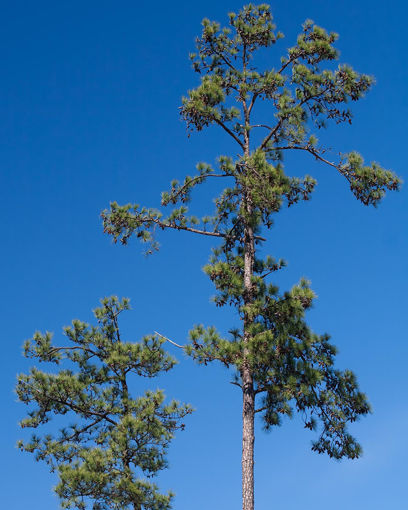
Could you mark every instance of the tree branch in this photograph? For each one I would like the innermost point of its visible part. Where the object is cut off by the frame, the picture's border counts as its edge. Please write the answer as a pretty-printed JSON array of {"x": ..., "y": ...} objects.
[
  {"x": 220, "y": 123},
  {"x": 251, "y": 104},
  {"x": 310, "y": 150},
  {"x": 193, "y": 230},
  {"x": 85, "y": 349},
  {"x": 268, "y": 137},
  {"x": 194, "y": 179},
  {"x": 85, "y": 412},
  {"x": 77, "y": 433},
  {"x": 168, "y": 340},
  {"x": 188, "y": 229},
  {"x": 301, "y": 103},
  {"x": 267, "y": 273},
  {"x": 221, "y": 55},
  {"x": 290, "y": 60},
  {"x": 261, "y": 125}
]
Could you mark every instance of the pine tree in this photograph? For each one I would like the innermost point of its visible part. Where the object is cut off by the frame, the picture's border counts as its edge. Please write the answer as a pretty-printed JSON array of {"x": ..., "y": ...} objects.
[
  {"x": 280, "y": 364},
  {"x": 113, "y": 437}
]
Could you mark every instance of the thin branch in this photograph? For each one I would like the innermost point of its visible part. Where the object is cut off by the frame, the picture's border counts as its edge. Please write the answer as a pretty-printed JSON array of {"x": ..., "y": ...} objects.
[
  {"x": 221, "y": 55},
  {"x": 168, "y": 340},
  {"x": 301, "y": 103},
  {"x": 234, "y": 227},
  {"x": 268, "y": 273},
  {"x": 57, "y": 349},
  {"x": 290, "y": 61},
  {"x": 77, "y": 433},
  {"x": 261, "y": 125},
  {"x": 193, "y": 230},
  {"x": 227, "y": 61},
  {"x": 310, "y": 150},
  {"x": 220, "y": 219},
  {"x": 85, "y": 412},
  {"x": 194, "y": 179},
  {"x": 284, "y": 66},
  {"x": 273, "y": 132},
  {"x": 163, "y": 225},
  {"x": 220, "y": 123},
  {"x": 251, "y": 104}
]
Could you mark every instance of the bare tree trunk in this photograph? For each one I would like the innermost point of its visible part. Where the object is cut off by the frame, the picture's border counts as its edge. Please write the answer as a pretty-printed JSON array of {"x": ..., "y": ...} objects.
[
  {"x": 248, "y": 403},
  {"x": 248, "y": 440}
]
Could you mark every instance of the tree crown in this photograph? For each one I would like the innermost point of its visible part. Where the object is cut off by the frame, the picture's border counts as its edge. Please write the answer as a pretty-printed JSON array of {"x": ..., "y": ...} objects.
[{"x": 113, "y": 437}]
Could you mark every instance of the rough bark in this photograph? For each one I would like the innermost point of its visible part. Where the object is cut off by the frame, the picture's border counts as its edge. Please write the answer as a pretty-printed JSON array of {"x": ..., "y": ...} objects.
[
  {"x": 248, "y": 439},
  {"x": 248, "y": 403}
]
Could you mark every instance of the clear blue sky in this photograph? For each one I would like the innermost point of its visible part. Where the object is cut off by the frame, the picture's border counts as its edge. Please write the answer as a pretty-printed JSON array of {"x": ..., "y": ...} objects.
[{"x": 88, "y": 114}]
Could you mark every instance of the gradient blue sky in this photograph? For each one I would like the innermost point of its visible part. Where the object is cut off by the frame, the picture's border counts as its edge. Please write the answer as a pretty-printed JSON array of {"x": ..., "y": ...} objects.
[{"x": 88, "y": 114}]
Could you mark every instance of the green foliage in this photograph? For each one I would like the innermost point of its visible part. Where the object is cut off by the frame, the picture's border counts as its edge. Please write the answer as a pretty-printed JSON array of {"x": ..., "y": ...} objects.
[
  {"x": 305, "y": 96},
  {"x": 111, "y": 437},
  {"x": 290, "y": 367},
  {"x": 368, "y": 183}
]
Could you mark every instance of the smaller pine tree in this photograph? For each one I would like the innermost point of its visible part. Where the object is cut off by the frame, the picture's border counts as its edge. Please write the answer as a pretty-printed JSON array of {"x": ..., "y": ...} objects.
[{"x": 113, "y": 442}]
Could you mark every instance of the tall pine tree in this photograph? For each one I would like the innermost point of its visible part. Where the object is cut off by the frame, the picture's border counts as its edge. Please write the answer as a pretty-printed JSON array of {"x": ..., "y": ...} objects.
[
  {"x": 280, "y": 364},
  {"x": 112, "y": 443}
]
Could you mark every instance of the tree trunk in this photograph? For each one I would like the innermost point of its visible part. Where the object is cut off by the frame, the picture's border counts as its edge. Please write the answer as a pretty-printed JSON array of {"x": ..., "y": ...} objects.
[
  {"x": 248, "y": 440},
  {"x": 248, "y": 403},
  {"x": 248, "y": 394}
]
